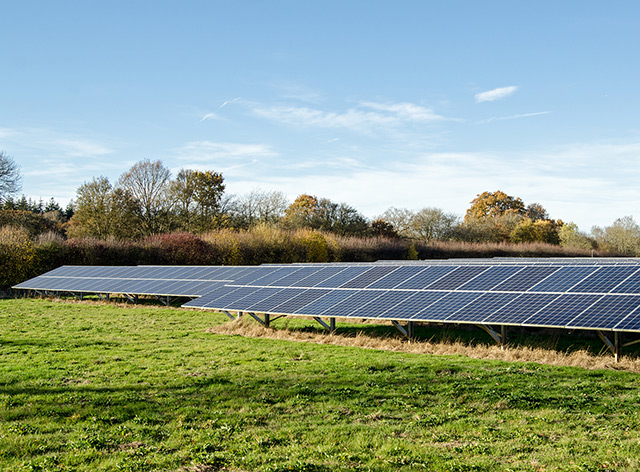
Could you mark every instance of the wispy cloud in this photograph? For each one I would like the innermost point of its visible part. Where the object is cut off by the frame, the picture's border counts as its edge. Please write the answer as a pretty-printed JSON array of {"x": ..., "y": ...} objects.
[
  {"x": 80, "y": 148},
  {"x": 512, "y": 117},
  {"x": 495, "y": 94},
  {"x": 209, "y": 116},
  {"x": 364, "y": 118},
  {"x": 204, "y": 151}
]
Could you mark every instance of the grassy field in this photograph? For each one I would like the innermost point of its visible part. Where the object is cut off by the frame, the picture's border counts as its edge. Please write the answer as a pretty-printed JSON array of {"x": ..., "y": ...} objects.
[{"x": 103, "y": 387}]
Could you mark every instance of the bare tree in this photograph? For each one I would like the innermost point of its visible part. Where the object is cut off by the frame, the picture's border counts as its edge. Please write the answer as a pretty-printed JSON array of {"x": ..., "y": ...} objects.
[
  {"x": 10, "y": 179},
  {"x": 148, "y": 183}
]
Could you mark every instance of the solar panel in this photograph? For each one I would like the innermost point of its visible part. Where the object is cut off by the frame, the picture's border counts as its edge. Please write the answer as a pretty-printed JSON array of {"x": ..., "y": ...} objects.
[{"x": 572, "y": 293}]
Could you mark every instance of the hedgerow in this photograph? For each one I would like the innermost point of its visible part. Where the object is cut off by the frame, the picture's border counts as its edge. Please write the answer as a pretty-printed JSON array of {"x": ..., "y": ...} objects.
[{"x": 22, "y": 256}]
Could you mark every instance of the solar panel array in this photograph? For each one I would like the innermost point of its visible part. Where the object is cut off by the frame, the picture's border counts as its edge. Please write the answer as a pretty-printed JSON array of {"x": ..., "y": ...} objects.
[
  {"x": 175, "y": 281},
  {"x": 602, "y": 294}
]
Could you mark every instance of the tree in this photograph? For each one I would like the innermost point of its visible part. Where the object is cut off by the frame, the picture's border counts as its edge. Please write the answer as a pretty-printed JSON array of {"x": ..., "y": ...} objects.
[
  {"x": 302, "y": 212},
  {"x": 623, "y": 236},
  {"x": 571, "y": 237},
  {"x": 10, "y": 179},
  {"x": 93, "y": 205},
  {"x": 339, "y": 218},
  {"x": 382, "y": 228},
  {"x": 433, "y": 224},
  {"x": 102, "y": 211},
  {"x": 400, "y": 219},
  {"x": 148, "y": 183},
  {"x": 258, "y": 206},
  {"x": 208, "y": 189},
  {"x": 197, "y": 198},
  {"x": 491, "y": 204},
  {"x": 535, "y": 212}
]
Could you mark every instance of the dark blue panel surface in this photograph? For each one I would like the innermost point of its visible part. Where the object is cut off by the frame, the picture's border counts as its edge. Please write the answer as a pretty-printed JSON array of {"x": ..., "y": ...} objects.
[
  {"x": 257, "y": 273},
  {"x": 282, "y": 295},
  {"x": 525, "y": 279},
  {"x": 341, "y": 277},
  {"x": 383, "y": 306},
  {"x": 563, "y": 279},
  {"x": 482, "y": 307},
  {"x": 426, "y": 277},
  {"x": 256, "y": 295},
  {"x": 446, "y": 306},
  {"x": 607, "y": 312},
  {"x": 296, "y": 276},
  {"x": 604, "y": 279},
  {"x": 490, "y": 278},
  {"x": 398, "y": 276},
  {"x": 562, "y": 310},
  {"x": 352, "y": 303},
  {"x": 300, "y": 300},
  {"x": 454, "y": 279},
  {"x": 317, "y": 277},
  {"x": 370, "y": 276},
  {"x": 325, "y": 302},
  {"x": 522, "y": 308}
]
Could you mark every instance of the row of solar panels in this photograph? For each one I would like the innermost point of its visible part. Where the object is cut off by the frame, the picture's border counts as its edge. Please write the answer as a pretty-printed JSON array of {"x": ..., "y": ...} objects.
[
  {"x": 603, "y": 294},
  {"x": 195, "y": 281},
  {"x": 606, "y": 312}
]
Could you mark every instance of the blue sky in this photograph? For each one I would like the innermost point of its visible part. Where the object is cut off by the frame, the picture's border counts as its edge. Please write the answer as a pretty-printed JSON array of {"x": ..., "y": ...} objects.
[{"x": 373, "y": 103}]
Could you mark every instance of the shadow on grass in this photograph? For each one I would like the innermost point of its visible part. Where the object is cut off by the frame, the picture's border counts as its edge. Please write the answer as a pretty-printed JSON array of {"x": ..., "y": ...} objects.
[{"x": 559, "y": 340}]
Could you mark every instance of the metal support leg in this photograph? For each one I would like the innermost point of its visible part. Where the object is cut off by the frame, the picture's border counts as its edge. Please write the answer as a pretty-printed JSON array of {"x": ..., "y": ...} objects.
[
  {"x": 615, "y": 347},
  {"x": 407, "y": 332},
  {"x": 264, "y": 322},
  {"x": 331, "y": 327},
  {"x": 230, "y": 315},
  {"x": 500, "y": 338}
]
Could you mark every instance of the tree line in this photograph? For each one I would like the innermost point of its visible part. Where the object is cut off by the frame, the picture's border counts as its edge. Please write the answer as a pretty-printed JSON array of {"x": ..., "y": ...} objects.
[{"x": 147, "y": 200}]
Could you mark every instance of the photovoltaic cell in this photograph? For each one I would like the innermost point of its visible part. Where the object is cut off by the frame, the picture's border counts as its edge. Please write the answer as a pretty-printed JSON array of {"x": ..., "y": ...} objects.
[
  {"x": 563, "y": 279},
  {"x": 604, "y": 279},
  {"x": 341, "y": 277},
  {"x": 562, "y": 310},
  {"x": 267, "y": 305},
  {"x": 525, "y": 279},
  {"x": 490, "y": 278},
  {"x": 446, "y": 306},
  {"x": 303, "y": 299},
  {"x": 454, "y": 279},
  {"x": 425, "y": 277},
  {"x": 367, "y": 278},
  {"x": 606, "y": 313},
  {"x": 398, "y": 276},
  {"x": 295, "y": 276},
  {"x": 352, "y": 303},
  {"x": 483, "y": 307},
  {"x": 383, "y": 304},
  {"x": 324, "y": 303},
  {"x": 521, "y": 308},
  {"x": 317, "y": 277}
]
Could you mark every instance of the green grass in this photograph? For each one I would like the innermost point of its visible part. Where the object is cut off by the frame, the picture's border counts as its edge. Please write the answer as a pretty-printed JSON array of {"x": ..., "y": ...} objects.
[{"x": 101, "y": 387}]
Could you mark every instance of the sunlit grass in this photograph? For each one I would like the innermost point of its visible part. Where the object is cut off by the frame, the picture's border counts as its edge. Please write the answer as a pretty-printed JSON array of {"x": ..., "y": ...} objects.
[{"x": 104, "y": 387}]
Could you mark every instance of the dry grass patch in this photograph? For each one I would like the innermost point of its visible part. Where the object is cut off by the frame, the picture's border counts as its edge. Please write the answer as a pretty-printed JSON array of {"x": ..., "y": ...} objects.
[{"x": 540, "y": 355}]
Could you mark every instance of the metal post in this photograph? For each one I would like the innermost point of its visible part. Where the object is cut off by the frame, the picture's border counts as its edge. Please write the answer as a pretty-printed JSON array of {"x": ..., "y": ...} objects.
[
  {"x": 503, "y": 336},
  {"x": 267, "y": 320},
  {"x": 332, "y": 325}
]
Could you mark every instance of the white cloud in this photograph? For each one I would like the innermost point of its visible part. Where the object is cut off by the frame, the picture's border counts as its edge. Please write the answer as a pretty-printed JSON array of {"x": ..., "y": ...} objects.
[
  {"x": 202, "y": 151},
  {"x": 210, "y": 116},
  {"x": 513, "y": 117},
  {"x": 367, "y": 117},
  {"x": 80, "y": 148},
  {"x": 495, "y": 94},
  {"x": 590, "y": 184}
]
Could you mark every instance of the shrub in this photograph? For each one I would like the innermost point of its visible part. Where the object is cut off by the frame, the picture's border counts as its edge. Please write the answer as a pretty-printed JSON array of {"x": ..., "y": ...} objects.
[{"x": 17, "y": 255}]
